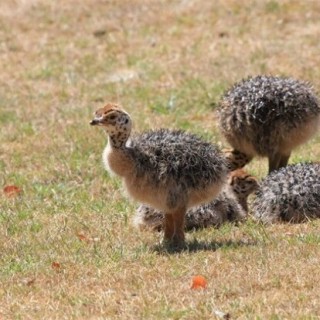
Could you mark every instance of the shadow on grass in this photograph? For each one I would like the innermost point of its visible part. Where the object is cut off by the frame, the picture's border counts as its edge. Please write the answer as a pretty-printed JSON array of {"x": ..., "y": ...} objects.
[{"x": 195, "y": 245}]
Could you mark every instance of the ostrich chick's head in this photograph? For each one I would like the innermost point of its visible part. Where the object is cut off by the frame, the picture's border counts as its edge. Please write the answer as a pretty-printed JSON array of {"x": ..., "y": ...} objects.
[
  {"x": 243, "y": 184},
  {"x": 115, "y": 121}
]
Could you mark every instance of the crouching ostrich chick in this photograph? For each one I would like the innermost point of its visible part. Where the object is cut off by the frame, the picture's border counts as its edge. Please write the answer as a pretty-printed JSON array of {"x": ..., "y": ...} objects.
[
  {"x": 269, "y": 116},
  {"x": 167, "y": 170},
  {"x": 230, "y": 206},
  {"x": 290, "y": 194}
]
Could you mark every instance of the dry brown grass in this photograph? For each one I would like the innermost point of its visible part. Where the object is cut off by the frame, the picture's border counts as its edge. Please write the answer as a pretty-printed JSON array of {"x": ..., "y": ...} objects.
[{"x": 68, "y": 250}]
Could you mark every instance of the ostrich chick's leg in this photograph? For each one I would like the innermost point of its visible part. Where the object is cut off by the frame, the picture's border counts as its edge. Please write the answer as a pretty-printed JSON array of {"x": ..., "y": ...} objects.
[
  {"x": 277, "y": 161},
  {"x": 174, "y": 227},
  {"x": 284, "y": 160},
  {"x": 168, "y": 227},
  {"x": 178, "y": 220},
  {"x": 274, "y": 162}
]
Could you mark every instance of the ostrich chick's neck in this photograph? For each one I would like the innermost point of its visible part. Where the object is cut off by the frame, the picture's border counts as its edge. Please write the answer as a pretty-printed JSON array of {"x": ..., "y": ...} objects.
[
  {"x": 116, "y": 156},
  {"x": 117, "y": 139}
]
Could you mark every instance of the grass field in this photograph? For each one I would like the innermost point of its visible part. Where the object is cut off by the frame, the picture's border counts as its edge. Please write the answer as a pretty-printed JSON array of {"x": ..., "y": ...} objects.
[{"x": 67, "y": 246}]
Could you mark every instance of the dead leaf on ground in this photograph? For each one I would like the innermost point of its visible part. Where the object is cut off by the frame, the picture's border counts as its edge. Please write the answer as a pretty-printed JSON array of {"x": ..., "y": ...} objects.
[
  {"x": 11, "y": 190},
  {"x": 82, "y": 237},
  {"x": 56, "y": 265}
]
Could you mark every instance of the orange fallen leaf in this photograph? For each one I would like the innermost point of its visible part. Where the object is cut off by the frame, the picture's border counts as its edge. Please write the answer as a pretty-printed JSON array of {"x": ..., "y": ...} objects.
[
  {"x": 11, "y": 190},
  {"x": 199, "y": 282},
  {"x": 56, "y": 265},
  {"x": 82, "y": 237}
]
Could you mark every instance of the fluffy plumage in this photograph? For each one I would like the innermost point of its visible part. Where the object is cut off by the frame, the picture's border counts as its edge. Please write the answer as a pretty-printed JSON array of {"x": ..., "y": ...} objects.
[
  {"x": 229, "y": 206},
  {"x": 170, "y": 170},
  {"x": 174, "y": 155},
  {"x": 269, "y": 116},
  {"x": 290, "y": 194},
  {"x": 225, "y": 208}
]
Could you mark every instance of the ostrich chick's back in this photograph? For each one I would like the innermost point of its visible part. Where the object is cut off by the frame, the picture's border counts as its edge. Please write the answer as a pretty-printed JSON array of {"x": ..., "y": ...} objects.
[{"x": 176, "y": 165}]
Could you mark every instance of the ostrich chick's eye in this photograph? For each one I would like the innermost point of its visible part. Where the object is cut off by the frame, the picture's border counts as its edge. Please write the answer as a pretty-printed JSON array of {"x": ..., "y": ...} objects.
[{"x": 112, "y": 117}]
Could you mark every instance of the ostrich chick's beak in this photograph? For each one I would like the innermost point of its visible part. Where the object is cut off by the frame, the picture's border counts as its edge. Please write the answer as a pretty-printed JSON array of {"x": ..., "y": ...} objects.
[
  {"x": 97, "y": 120},
  {"x": 94, "y": 122}
]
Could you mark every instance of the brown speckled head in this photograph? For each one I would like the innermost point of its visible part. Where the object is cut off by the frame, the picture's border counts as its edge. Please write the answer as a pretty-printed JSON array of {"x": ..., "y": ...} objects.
[
  {"x": 115, "y": 121},
  {"x": 236, "y": 159},
  {"x": 242, "y": 183},
  {"x": 105, "y": 114}
]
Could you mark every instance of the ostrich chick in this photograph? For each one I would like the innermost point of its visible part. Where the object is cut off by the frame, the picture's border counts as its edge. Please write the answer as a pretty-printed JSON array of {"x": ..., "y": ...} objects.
[
  {"x": 290, "y": 194},
  {"x": 167, "y": 170},
  {"x": 230, "y": 206},
  {"x": 269, "y": 116}
]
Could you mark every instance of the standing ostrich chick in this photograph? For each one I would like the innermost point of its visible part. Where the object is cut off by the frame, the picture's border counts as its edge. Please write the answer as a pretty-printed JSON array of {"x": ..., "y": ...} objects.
[
  {"x": 167, "y": 170},
  {"x": 269, "y": 117}
]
